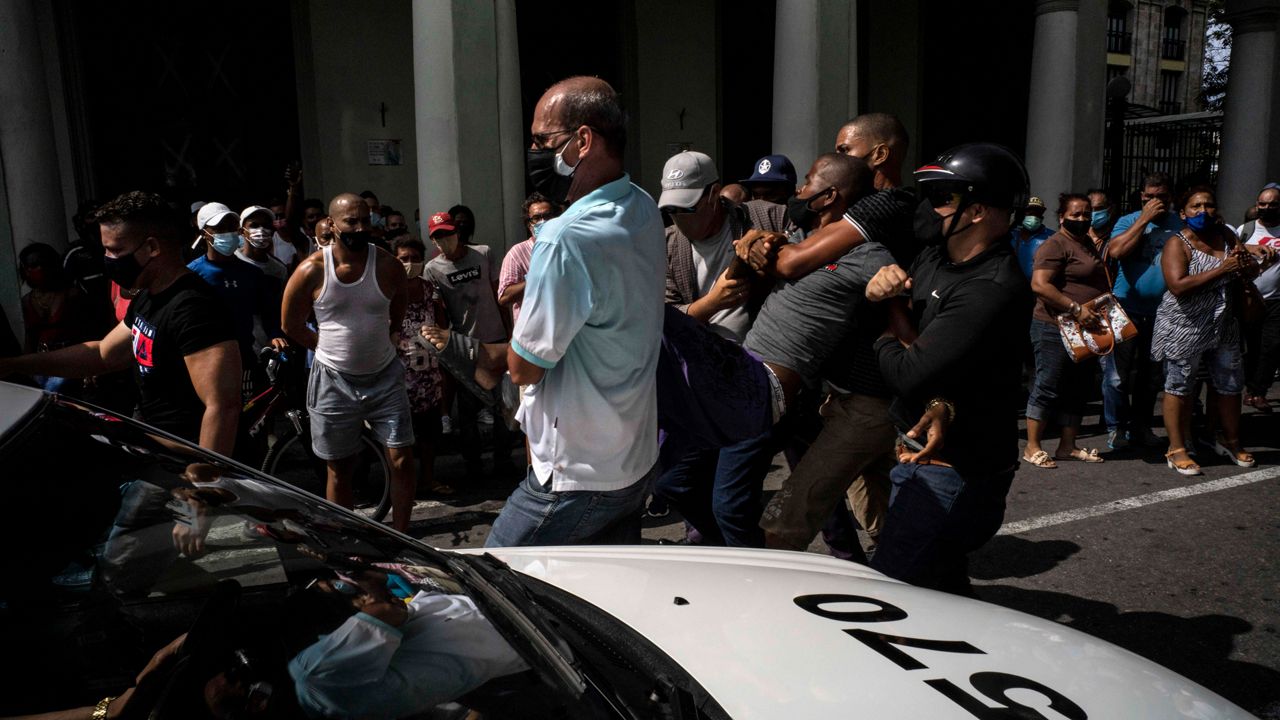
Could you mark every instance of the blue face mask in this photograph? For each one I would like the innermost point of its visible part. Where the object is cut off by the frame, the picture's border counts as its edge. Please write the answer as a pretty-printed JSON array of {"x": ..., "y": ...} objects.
[
  {"x": 1099, "y": 218},
  {"x": 225, "y": 243},
  {"x": 537, "y": 228},
  {"x": 1031, "y": 223},
  {"x": 1198, "y": 222}
]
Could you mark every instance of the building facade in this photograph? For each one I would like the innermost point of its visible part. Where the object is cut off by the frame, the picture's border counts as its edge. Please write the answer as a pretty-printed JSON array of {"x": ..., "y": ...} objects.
[{"x": 428, "y": 102}]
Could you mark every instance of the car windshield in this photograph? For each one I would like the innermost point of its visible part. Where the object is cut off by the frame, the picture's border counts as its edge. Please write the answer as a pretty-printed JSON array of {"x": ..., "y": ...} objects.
[{"x": 141, "y": 567}]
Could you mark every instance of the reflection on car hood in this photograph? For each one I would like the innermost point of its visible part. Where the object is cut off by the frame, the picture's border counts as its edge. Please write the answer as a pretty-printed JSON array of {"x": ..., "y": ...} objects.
[{"x": 738, "y": 629}]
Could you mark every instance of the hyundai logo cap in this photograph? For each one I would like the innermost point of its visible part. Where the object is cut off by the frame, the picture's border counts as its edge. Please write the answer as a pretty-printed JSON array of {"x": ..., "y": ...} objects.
[
  {"x": 773, "y": 169},
  {"x": 684, "y": 177},
  {"x": 212, "y": 214}
]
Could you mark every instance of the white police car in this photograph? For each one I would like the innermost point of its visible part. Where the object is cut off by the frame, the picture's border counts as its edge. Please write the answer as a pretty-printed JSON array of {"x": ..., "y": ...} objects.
[{"x": 118, "y": 539}]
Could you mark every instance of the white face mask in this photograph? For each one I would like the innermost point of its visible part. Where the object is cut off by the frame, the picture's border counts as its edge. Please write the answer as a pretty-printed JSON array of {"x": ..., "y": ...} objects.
[
  {"x": 413, "y": 269},
  {"x": 260, "y": 237},
  {"x": 563, "y": 168}
]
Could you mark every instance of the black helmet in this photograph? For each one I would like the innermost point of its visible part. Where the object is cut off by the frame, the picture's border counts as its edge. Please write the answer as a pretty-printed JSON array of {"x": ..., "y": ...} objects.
[{"x": 979, "y": 172}]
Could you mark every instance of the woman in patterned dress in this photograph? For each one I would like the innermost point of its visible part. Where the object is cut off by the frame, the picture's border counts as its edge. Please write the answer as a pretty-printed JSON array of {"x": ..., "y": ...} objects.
[
  {"x": 422, "y": 371},
  {"x": 1196, "y": 326}
]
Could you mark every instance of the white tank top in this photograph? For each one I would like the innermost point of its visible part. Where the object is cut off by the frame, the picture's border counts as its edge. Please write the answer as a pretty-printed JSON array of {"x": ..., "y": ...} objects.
[{"x": 354, "y": 320}]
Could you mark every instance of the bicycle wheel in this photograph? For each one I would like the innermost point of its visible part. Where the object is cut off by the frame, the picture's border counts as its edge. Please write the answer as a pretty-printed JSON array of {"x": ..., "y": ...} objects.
[{"x": 290, "y": 459}]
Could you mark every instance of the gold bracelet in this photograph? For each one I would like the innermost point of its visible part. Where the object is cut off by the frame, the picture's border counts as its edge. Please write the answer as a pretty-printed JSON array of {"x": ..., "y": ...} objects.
[
  {"x": 951, "y": 408},
  {"x": 100, "y": 710}
]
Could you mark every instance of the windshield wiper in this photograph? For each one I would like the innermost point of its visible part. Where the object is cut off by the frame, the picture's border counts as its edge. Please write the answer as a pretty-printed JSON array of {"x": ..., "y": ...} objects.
[{"x": 501, "y": 591}]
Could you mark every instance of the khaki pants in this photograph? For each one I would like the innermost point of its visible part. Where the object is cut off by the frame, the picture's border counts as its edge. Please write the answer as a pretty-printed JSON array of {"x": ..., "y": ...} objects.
[{"x": 853, "y": 454}]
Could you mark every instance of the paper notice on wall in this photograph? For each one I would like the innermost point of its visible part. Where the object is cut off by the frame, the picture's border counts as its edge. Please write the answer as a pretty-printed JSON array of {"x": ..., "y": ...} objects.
[{"x": 383, "y": 152}]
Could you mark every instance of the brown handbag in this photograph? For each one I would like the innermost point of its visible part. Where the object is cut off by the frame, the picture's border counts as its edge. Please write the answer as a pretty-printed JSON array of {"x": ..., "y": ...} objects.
[{"x": 1114, "y": 326}]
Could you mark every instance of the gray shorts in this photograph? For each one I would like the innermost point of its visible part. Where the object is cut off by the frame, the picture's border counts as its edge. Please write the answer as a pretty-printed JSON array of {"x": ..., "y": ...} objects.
[{"x": 340, "y": 404}]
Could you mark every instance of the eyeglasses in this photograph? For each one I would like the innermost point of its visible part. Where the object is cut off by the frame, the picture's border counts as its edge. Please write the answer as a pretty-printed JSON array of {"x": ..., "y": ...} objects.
[
  {"x": 538, "y": 217},
  {"x": 542, "y": 139}
]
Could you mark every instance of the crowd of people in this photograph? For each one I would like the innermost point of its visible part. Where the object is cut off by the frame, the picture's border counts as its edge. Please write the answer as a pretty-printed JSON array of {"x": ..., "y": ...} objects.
[{"x": 659, "y": 354}]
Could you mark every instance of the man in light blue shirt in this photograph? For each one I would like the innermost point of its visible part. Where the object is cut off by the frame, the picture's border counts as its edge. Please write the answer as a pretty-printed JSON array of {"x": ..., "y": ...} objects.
[
  {"x": 587, "y": 341},
  {"x": 1137, "y": 242}
]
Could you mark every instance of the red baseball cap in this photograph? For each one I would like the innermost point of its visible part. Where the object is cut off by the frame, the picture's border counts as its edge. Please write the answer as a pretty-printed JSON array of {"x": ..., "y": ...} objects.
[{"x": 440, "y": 221}]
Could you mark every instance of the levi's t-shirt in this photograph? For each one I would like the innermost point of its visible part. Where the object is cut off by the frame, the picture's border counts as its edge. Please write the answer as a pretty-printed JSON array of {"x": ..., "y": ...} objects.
[
  {"x": 467, "y": 288},
  {"x": 180, "y": 320}
]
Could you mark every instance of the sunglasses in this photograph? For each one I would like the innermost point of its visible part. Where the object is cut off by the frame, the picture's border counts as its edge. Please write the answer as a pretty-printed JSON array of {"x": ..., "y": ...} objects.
[
  {"x": 942, "y": 197},
  {"x": 537, "y": 217}
]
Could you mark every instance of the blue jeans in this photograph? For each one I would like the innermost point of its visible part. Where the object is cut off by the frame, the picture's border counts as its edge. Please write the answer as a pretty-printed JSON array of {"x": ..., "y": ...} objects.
[
  {"x": 1224, "y": 363},
  {"x": 1061, "y": 385},
  {"x": 1114, "y": 406},
  {"x": 536, "y": 515},
  {"x": 719, "y": 491},
  {"x": 936, "y": 517}
]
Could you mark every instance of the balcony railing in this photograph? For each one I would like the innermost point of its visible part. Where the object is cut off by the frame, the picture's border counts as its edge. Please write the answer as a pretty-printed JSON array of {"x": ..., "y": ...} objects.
[
  {"x": 1173, "y": 49},
  {"x": 1170, "y": 107},
  {"x": 1119, "y": 42}
]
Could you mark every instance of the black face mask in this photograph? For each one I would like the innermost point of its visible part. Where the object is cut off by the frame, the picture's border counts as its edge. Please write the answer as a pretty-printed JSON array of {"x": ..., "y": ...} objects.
[
  {"x": 123, "y": 271},
  {"x": 928, "y": 225},
  {"x": 1269, "y": 217},
  {"x": 1077, "y": 228},
  {"x": 541, "y": 168},
  {"x": 355, "y": 241},
  {"x": 800, "y": 213}
]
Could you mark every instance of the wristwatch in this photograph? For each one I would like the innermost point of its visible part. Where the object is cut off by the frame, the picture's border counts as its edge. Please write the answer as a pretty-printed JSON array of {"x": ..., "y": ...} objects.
[{"x": 100, "y": 710}]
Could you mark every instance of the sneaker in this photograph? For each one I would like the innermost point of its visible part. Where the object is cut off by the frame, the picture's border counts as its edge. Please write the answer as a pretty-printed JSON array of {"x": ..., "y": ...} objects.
[
  {"x": 1117, "y": 441},
  {"x": 484, "y": 417}
]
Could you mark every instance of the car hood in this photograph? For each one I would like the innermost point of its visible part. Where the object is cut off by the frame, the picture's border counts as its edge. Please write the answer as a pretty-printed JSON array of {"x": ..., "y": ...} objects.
[{"x": 732, "y": 620}]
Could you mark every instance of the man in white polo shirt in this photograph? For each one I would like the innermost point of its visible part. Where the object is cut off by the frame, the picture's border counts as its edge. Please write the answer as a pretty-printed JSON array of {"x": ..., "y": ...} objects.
[{"x": 589, "y": 333}]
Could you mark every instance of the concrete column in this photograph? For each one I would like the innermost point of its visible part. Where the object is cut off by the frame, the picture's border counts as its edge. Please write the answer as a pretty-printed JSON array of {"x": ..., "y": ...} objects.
[
  {"x": 1251, "y": 117},
  {"x": 1067, "y": 103},
  {"x": 32, "y": 184},
  {"x": 27, "y": 146},
  {"x": 815, "y": 76},
  {"x": 439, "y": 171},
  {"x": 795, "y": 81},
  {"x": 467, "y": 95},
  {"x": 510, "y": 122}
]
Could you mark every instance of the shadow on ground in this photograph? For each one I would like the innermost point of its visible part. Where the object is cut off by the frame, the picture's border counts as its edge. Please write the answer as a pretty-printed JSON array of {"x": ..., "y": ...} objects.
[
  {"x": 1010, "y": 556},
  {"x": 1198, "y": 647}
]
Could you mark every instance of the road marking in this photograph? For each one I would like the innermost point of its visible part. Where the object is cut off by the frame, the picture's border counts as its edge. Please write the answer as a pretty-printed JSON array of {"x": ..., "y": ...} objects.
[{"x": 1058, "y": 518}]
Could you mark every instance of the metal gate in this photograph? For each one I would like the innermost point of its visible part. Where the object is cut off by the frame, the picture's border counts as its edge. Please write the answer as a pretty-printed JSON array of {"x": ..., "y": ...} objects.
[{"x": 1186, "y": 147}]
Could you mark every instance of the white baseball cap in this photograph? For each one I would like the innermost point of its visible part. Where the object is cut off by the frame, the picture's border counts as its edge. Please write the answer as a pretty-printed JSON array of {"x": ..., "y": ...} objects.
[{"x": 212, "y": 214}]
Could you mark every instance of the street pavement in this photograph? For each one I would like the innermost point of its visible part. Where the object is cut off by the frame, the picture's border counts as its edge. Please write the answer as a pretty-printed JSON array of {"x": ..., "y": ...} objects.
[{"x": 1181, "y": 570}]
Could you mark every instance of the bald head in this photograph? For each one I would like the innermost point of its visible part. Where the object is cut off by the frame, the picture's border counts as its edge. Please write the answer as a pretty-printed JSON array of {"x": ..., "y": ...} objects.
[
  {"x": 850, "y": 178},
  {"x": 345, "y": 202},
  {"x": 590, "y": 101},
  {"x": 349, "y": 213}
]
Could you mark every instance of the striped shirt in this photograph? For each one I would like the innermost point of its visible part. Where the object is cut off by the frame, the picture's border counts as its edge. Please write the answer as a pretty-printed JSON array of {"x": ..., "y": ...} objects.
[{"x": 515, "y": 265}]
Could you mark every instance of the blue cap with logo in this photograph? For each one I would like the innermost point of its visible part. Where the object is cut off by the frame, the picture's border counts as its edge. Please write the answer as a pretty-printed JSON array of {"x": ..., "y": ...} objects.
[{"x": 773, "y": 169}]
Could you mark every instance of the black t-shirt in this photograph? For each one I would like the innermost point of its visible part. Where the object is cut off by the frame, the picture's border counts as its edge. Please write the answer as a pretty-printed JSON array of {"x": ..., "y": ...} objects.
[
  {"x": 973, "y": 319},
  {"x": 183, "y": 319}
]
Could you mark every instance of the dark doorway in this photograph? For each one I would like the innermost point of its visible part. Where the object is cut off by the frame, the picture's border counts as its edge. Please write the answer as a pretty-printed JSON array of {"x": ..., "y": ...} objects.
[
  {"x": 746, "y": 84},
  {"x": 601, "y": 44},
  {"x": 975, "y": 74},
  {"x": 196, "y": 100}
]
